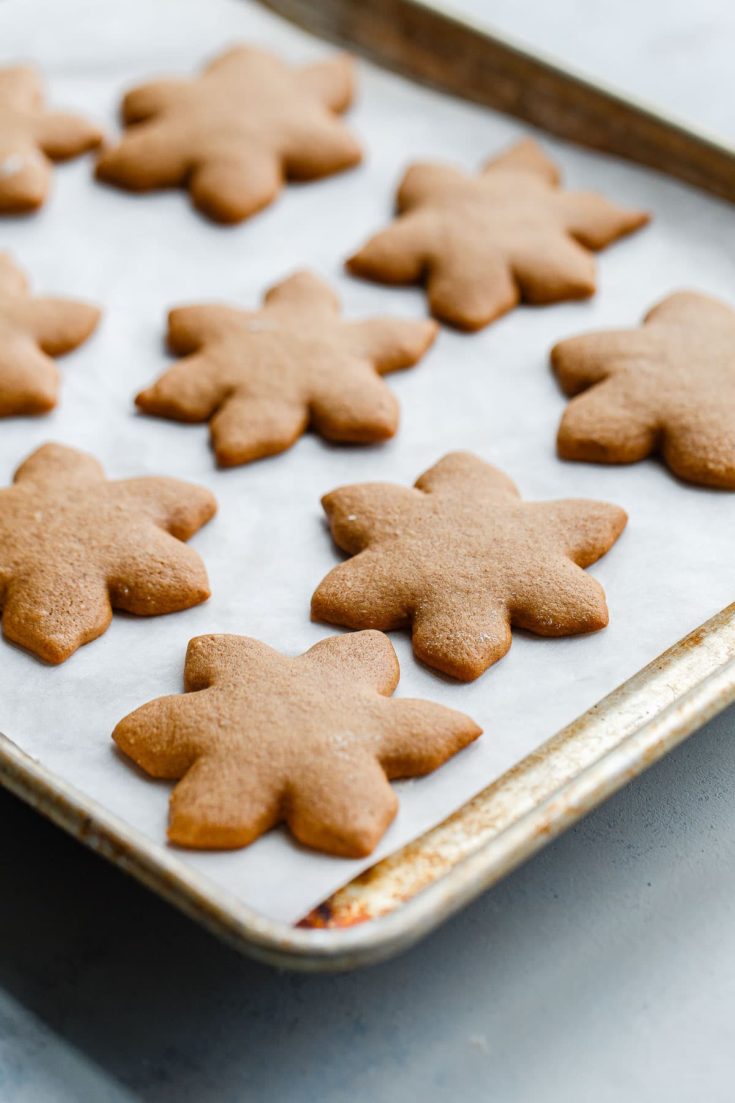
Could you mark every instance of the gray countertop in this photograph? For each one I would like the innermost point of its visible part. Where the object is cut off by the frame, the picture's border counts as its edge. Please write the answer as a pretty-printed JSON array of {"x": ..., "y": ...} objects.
[{"x": 604, "y": 969}]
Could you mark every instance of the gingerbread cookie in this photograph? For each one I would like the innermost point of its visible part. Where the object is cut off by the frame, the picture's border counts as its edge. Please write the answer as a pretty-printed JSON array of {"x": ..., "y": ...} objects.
[
  {"x": 32, "y": 331},
  {"x": 667, "y": 387},
  {"x": 31, "y": 137},
  {"x": 236, "y": 132},
  {"x": 483, "y": 243},
  {"x": 261, "y": 377},
  {"x": 461, "y": 559},
  {"x": 259, "y": 738},
  {"x": 73, "y": 546}
]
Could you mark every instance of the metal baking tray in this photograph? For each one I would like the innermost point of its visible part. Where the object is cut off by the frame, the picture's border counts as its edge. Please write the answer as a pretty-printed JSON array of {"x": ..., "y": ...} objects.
[{"x": 404, "y": 896}]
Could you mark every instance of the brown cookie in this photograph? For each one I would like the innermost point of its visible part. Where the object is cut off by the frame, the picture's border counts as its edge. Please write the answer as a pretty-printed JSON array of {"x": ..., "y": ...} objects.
[
  {"x": 483, "y": 243},
  {"x": 31, "y": 137},
  {"x": 32, "y": 331},
  {"x": 73, "y": 546},
  {"x": 461, "y": 558},
  {"x": 667, "y": 387},
  {"x": 260, "y": 377},
  {"x": 259, "y": 738},
  {"x": 236, "y": 132}
]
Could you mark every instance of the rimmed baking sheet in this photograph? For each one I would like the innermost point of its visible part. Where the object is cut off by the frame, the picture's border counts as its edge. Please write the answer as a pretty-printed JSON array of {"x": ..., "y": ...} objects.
[{"x": 491, "y": 392}]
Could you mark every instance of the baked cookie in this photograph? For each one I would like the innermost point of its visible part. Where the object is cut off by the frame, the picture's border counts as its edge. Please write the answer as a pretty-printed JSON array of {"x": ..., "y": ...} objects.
[
  {"x": 461, "y": 559},
  {"x": 236, "y": 132},
  {"x": 667, "y": 387},
  {"x": 483, "y": 243},
  {"x": 261, "y": 377},
  {"x": 32, "y": 331},
  {"x": 259, "y": 738},
  {"x": 31, "y": 137},
  {"x": 73, "y": 546}
]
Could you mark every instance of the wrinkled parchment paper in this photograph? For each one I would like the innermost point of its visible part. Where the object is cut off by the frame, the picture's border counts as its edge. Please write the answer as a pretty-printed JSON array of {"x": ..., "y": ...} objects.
[{"x": 268, "y": 547}]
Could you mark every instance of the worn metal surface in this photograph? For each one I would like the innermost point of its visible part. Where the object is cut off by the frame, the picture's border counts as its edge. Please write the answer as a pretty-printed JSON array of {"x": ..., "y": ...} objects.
[
  {"x": 423, "y": 40},
  {"x": 434, "y": 876},
  {"x": 607, "y": 746}
]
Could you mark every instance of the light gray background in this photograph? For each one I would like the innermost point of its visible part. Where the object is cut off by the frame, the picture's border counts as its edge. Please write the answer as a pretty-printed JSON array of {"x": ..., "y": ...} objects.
[{"x": 605, "y": 969}]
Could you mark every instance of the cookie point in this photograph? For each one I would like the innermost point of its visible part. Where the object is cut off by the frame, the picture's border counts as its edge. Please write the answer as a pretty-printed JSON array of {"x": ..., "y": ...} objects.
[
  {"x": 102, "y": 168},
  {"x": 51, "y": 651},
  {"x": 329, "y": 501},
  {"x": 621, "y": 518},
  {"x": 557, "y": 353},
  {"x": 640, "y": 219},
  {"x": 316, "y": 609},
  {"x": 200, "y": 594},
  {"x": 25, "y": 204},
  {"x": 601, "y": 619},
  {"x": 225, "y": 458},
  {"x": 461, "y": 669},
  {"x": 94, "y": 316}
]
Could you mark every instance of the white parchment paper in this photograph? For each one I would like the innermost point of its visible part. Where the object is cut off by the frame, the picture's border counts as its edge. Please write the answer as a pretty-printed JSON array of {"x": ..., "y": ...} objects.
[{"x": 268, "y": 547}]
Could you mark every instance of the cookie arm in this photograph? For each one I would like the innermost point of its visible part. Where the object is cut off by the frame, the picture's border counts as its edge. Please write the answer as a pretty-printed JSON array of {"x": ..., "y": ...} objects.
[
  {"x": 332, "y": 82},
  {"x": 367, "y": 512},
  {"x": 426, "y": 181},
  {"x": 224, "y": 658},
  {"x": 178, "y": 507},
  {"x": 583, "y": 529},
  {"x": 563, "y": 601},
  {"x": 151, "y": 155},
  {"x": 248, "y": 428},
  {"x": 594, "y": 221},
  {"x": 192, "y": 327},
  {"x": 223, "y": 803},
  {"x": 470, "y": 286},
  {"x": 699, "y": 446},
  {"x": 395, "y": 255},
  {"x": 303, "y": 292},
  {"x": 341, "y": 808},
  {"x": 525, "y": 156},
  {"x": 465, "y": 473},
  {"x": 692, "y": 309},
  {"x": 354, "y": 405},
  {"x": 12, "y": 278},
  {"x": 26, "y": 182},
  {"x": 461, "y": 634},
  {"x": 62, "y": 135},
  {"x": 319, "y": 146},
  {"x": 230, "y": 188},
  {"x": 553, "y": 269},
  {"x": 151, "y": 99},
  {"x": 420, "y": 736},
  {"x": 58, "y": 464},
  {"x": 52, "y": 614},
  {"x": 29, "y": 380},
  {"x": 610, "y": 423},
  {"x": 368, "y": 657},
  {"x": 365, "y": 592},
  {"x": 154, "y": 573},
  {"x": 191, "y": 390},
  {"x": 391, "y": 344},
  {"x": 580, "y": 362},
  {"x": 165, "y": 736},
  {"x": 61, "y": 325}
]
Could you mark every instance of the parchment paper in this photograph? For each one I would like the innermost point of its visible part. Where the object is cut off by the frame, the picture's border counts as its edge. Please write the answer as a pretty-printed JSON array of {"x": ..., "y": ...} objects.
[{"x": 268, "y": 547}]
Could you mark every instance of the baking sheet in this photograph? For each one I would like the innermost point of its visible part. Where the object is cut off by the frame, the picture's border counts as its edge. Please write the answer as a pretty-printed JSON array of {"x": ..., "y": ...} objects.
[{"x": 491, "y": 392}]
